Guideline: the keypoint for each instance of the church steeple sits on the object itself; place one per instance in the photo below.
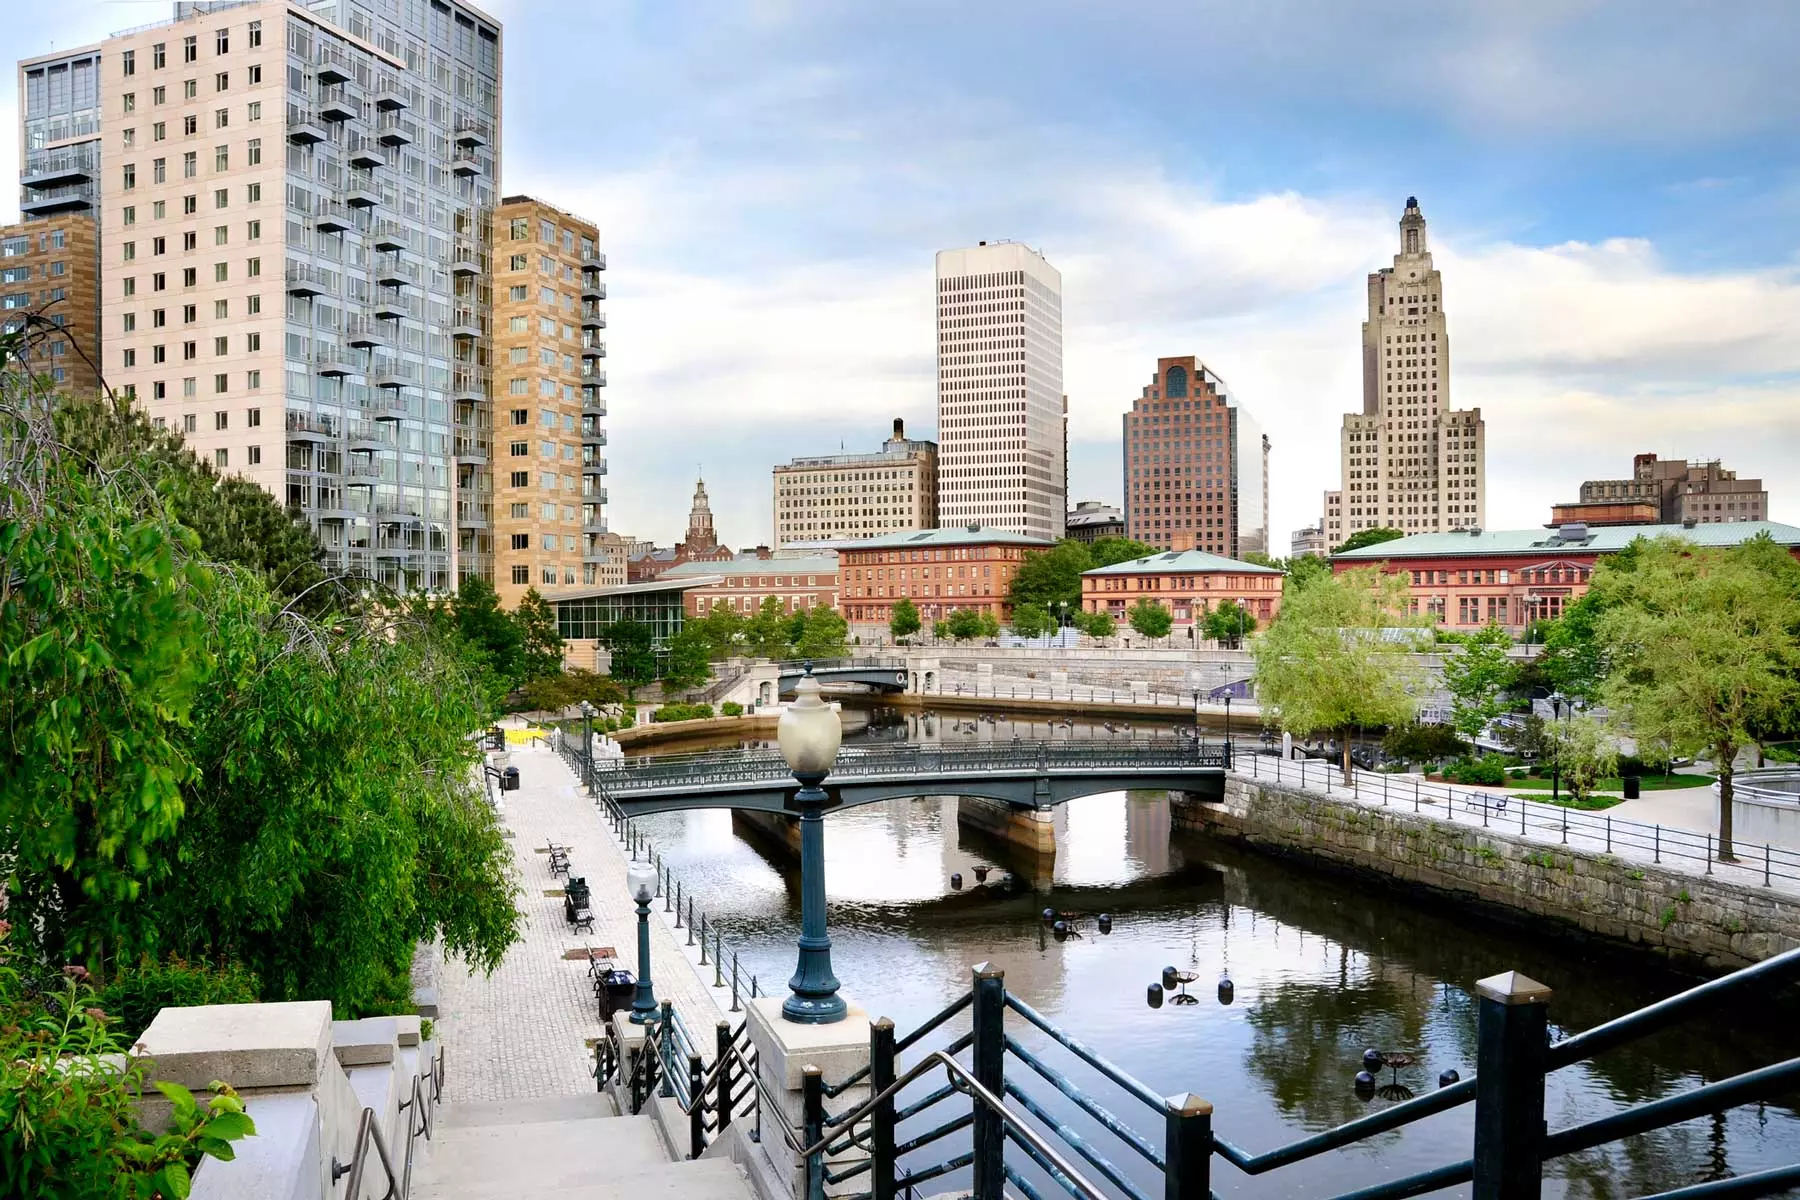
(700, 535)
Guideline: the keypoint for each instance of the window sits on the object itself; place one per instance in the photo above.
(252, 342)
(253, 231)
(130, 322)
(159, 131)
(520, 416)
(128, 60)
(190, 48)
(159, 56)
(221, 41)
(221, 346)
(221, 197)
(189, 352)
(521, 541)
(252, 267)
(159, 171)
(254, 452)
(221, 458)
(253, 304)
(189, 276)
(190, 124)
(221, 158)
(519, 292)
(131, 358)
(131, 214)
(129, 139)
(221, 234)
(520, 479)
(188, 386)
(519, 449)
(516, 263)
(159, 95)
(158, 245)
(516, 354)
(221, 419)
(189, 241)
(518, 387)
(190, 164)
(221, 309)
(253, 152)
(253, 418)
(190, 423)
(520, 511)
(221, 81)
(159, 317)
(129, 174)
(221, 272)
(130, 251)
(253, 110)
(253, 379)
(255, 34)
(221, 118)
(190, 204)
(130, 102)
(159, 209)
(521, 574)
(518, 229)
(256, 74)
(252, 193)
(190, 88)
(189, 314)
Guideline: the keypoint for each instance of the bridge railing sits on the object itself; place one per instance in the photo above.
(795, 666)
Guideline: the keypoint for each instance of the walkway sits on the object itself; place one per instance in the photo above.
(523, 1032)
(1635, 839)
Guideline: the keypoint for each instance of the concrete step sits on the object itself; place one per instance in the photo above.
(548, 1153)
(592, 1178)
(526, 1112)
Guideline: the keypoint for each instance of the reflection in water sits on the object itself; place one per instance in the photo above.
(1324, 968)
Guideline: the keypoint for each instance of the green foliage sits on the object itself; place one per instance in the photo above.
(489, 631)
(1368, 537)
(133, 995)
(1229, 623)
(633, 657)
(553, 693)
(1573, 660)
(1149, 618)
(540, 644)
(682, 712)
(1105, 552)
(1584, 754)
(1031, 620)
(1488, 770)
(1421, 742)
(689, 661)
(722, 628)
(904, 622)
(1477, 677)
(940, 630)
(823, 633)
(1097, 624)
(767, 633)
(1305, 570)
(1324, 666)
(963, 624)
(1049, 577)
(731, 708)
(69, 1124)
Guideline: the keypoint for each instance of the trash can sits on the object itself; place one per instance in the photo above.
(509, 779)
(1633, 787)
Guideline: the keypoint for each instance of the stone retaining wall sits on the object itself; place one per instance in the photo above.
(1695, 920)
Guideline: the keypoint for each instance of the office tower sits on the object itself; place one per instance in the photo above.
(858, 495)
(1408, 460)
(1196, 465)
(1000, 394)
(1668, 491)
(549, 465)
(295, 231)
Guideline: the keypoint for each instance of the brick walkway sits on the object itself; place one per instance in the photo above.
(522, 1032)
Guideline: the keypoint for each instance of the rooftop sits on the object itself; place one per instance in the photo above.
(636, 589)
(820, 565)
(959, 535)
(1602, 539)
(1176, 561)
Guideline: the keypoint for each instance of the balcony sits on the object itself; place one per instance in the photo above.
(593, 437)
(593, 317)
(397, 271)
(364, 332)
(591, 287)
(467, 385)
(362, 472)
(360, 191)
(474, 514)
(593, 260)
(591, 520)
(591, 376)
(465, 259)
(389, 96)
(57, 168)
(333, 362)
(392, 129)
(332, 216)
(43, 202)
(392, 375)
(465, 163)
(593, 348)
(305, 280)
(473, 451)
(341, 103)
(304, 125)
(593, 466)
(363, 152)
(387, 234)
(465, 323)
(310, 427)
(592, 403)
(368, 437)
(471, 131)
(392, 308)
(332, 64)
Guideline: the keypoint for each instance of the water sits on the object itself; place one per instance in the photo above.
(1323, 968)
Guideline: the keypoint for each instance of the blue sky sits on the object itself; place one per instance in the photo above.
(1612, 189)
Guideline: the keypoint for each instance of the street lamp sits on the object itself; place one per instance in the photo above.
(1062, 619)
(1559, 704)
(587, 744)
(1228, 728)
(641, 878)
(808, 735)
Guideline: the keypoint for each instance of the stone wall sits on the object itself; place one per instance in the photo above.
(1693, 919)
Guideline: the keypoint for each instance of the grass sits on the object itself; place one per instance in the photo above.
(1591, 804)
(1651, 783)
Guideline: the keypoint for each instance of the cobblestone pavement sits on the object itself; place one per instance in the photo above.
(522, 1032)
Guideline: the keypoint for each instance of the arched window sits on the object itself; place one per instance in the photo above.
(1175, 383)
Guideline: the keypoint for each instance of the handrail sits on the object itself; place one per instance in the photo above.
(367, 1132)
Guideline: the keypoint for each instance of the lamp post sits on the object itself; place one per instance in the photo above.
(1228, 728)
(808, 735)
(1558, 703)
(587, 745)
(1062, 619)
(641, 878)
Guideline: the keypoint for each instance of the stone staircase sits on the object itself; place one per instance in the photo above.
(560, 1148)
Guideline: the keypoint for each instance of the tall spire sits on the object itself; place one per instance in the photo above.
(700, 535)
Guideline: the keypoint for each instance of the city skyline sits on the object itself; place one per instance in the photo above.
(1618, 254)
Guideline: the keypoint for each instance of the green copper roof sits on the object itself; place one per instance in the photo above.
(1600, 539)
(955, 535)
(1182, 560)
(757, 566)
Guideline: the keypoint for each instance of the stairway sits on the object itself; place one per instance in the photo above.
(560, 1148)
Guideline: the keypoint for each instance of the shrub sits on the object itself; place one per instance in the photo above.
(732, 708)
(1423, 742)
(134, 995)
(682, 712)
(1489, 769)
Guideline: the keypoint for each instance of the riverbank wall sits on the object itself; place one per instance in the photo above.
(1695, 921)
(761, 724)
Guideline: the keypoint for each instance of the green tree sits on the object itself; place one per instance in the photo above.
(1304, 570)
(489, 631)
(905, 619)
(987, 624)
(1098, 624)
(1703, 650)
(963, 624)
(1047, 577)
(1368, 537)
(1572, 659)
(540, 642)
(825, 634)
(1149, 618)
(1030, 620)
(795, 628)
(689, 661)
(1584, 754)
(1418, 742)
(1478, 675)
(723, 630)
(1325, 664)
(1229, 622)
(1106, 552)
(632, 645)
(767, 633)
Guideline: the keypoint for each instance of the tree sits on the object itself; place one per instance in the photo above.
(489, 631)
(963, 624)
(1229, 622)
(1368, 537)
(1049, 577)
(689, 661)
(1703, 650)
(1584, 754)
(1572, 659)
(767, 632)
(1109, 551)
(1477, 675)
(825, 634)
(1419, 742)
(631, 644)
(540, 642)
(987, 624)
(1326, 665)
(723, 630)
(905, 619)
(795, 628)
(1149, 618)
(1097, 624)
(1304, 570)
(1031, 620)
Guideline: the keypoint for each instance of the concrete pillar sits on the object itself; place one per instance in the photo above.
(775, 830)
(1030, 829)
(784, 1050)
(984, 679)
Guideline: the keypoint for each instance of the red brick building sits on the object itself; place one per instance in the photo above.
(1514, 577)
(741, 584)
(939, 570)
(1189, 583)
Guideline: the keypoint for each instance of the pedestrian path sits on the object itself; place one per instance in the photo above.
(525, 1031)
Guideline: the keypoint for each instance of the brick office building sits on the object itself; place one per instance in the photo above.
(1196, 465)
(939, 570)
(742, 584)
(1189, 583)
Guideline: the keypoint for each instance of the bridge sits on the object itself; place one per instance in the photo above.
(1021, 775)
(883, 674)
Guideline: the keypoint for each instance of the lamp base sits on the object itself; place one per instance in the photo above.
(813, 1010)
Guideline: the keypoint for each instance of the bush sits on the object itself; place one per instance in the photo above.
(732, 708)
(1422, 742)
(1489, 770)
(134, 995)
(682, 712)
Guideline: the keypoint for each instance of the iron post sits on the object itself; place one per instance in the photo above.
(722, 1083)
(643, 1001)
(881, 1121)
(667, 1058)
(813, 999)
(1511, 1047)
(812, 1128)
(1188, 1138)
(696, 1107)
(988, 1056)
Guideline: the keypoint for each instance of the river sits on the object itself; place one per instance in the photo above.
(1323, 966)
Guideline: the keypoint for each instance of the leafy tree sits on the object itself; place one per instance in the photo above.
(1049, 576)
(540, 642)
(1030, 620)
(489, 631)
(963, 624)
(1420, 742)
(633, 655)
(723, 630)
(689, 662)
(1229, 622)
(1106, 552)
(598, 690)
(1584, 754)
(1368, 537)
(1149, 618)
(1098, 624)
(988, 624)
(1572, 659)
(1259, 559)
(1325, 664)
(795, 628)
(825, 634)
(1304, 570)
(1477, 676)
(940, 630)
(905, 619)
(1703, 649)
(767, 633)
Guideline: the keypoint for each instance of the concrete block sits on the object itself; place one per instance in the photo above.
(425, 1001)
(247, 1045)
(366, 1042)
(406, 1029)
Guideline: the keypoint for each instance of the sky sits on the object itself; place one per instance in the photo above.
(1612, 190)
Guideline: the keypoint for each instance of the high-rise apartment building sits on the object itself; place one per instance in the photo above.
(1001, 442)
(858, 495)
(49, 287)
(296, 229)
(548, 446)
(59, 128)
(1196, 465)
(1408, 460)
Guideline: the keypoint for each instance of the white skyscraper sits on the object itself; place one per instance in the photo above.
(1000, 390)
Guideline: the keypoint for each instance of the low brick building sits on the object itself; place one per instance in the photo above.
(1514, 577)
(1189, 583)
(742, 584)
(939, 570)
